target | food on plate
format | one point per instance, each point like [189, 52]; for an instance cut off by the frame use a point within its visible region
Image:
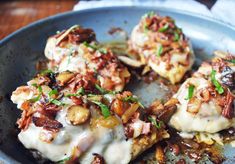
[206, 100]
[77, 50]
[69, 117]
[161, 45]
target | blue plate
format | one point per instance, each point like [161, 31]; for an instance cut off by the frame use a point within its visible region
[20, 51]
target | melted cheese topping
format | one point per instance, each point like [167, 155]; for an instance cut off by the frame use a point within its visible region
[139, 40]
[208, 119]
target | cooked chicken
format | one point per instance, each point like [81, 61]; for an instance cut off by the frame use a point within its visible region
[162, 46]
[76, 50]
[69, 117]
[206, 100]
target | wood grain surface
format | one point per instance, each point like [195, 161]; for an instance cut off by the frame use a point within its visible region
[16, 14]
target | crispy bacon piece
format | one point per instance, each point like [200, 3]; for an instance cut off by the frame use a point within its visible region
[98, 159]
[228, 110]
[46, 123]
[24, 121]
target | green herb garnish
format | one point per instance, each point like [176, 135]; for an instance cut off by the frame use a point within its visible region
[149, 14]
[231, 61]
[104, 109]
[102, 90]
[164, 28]
[35, 99]
[155, 123]
[95, 47]
[79, 92]
[52, 100]
[190, 92]
[176, 36]
[63, 161]
[45, 72]
[133, 99]
[159, 50]
[217, 85]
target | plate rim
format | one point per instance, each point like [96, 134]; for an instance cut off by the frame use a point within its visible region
[5, 157]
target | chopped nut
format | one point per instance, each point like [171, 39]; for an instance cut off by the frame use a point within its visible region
[64, 77]
[194, 105]
[77, 114]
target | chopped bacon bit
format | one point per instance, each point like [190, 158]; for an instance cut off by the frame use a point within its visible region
[98, 159]
[81, 35]
[129, 131]
[228, 110]
[25, 105]
[24, 121]
[76, 100]
[46, 123]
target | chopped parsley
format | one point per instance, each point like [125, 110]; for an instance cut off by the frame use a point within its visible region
[164, 28]
[155, 123]
[159, 50]
[190, 92]
[79, 92]
[217, 85]
[133, 99]
[35, 99]
[104, 109]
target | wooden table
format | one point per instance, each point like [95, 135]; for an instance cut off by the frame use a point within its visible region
[16, 14]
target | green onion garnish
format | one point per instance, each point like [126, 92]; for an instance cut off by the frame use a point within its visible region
[217, 85]
[155, 123]
[164, 28]
[63, 161]
[190, 92]
[176, 36]
[104, 109]
[45, 72]
[159, 50]
[95, 47]
[80, 92]
[35, 99]
[133, 99]
[149, 14]
[102, 90]
[231, 61]
[52, 100]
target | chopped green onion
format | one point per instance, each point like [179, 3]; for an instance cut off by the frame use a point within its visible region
[53, 92]
[155, 123]
[149, 14]
[145, 28]
[56, 102]
[79, 92]
[102, 90]
[57, 32]
[35, 99]
[95, 47]
[159, 50]
[217, 85]
[231, 61]
[45, 72]
[164, 28]
[63, 161]
[190, 92]
[104, 109]
[133, 99]
[176, 36]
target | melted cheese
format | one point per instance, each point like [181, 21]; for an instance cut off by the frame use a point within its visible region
[208, 119]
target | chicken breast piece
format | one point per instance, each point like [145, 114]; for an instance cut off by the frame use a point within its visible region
[76, 50]
[69, 117]
[163, 46]
[206, 100]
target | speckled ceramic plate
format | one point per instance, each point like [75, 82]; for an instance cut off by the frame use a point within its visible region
[20, 51]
